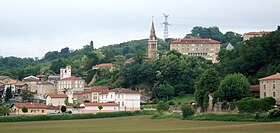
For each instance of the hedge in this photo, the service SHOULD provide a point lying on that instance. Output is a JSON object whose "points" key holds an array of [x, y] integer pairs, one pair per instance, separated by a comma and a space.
{"points": [[73, 116], [253, 105]]}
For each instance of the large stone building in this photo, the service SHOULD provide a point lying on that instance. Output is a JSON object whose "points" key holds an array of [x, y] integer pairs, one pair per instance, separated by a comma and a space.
{"points": [[67, 84], [249, 35], [31, 81], [205, 47], [152, 44], [270, 87]]}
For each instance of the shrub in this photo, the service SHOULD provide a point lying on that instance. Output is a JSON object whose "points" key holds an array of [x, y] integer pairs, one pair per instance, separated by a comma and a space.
{"points": [[187, 111], [275, 113], [171, 103], [162, 106], [225, 105], [253, 105], [24, 110]]}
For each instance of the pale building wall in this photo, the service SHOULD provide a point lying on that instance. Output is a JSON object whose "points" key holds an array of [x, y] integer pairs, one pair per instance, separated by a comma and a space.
{"points": [[45, 89], [18, 111], [55, 101], [208, 51], [270, 88]]}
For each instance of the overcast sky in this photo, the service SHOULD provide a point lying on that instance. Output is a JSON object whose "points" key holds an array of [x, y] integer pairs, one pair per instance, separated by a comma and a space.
{"points": [[30, 28]]}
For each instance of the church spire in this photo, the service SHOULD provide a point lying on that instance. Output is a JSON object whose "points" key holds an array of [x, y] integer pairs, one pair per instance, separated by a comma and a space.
{"points": [[152, 32]]}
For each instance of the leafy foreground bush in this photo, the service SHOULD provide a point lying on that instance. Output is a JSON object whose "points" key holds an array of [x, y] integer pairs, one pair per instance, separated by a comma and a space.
{"points": [[73, 116], [162, 106], [187, 111], [275, 113]]}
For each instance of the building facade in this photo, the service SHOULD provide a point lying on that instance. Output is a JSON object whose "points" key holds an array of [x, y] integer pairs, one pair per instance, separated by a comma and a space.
{"points": [[270, 87], [70, 83], [152, 45], [32, 109], [204, 47], [56, 99], [65, 72], [45, 88], [31, 81]]}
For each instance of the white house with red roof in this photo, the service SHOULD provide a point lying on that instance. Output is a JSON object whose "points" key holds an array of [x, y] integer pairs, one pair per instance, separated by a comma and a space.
{"points": [[56, 99], [32, 109], [270, 87]]}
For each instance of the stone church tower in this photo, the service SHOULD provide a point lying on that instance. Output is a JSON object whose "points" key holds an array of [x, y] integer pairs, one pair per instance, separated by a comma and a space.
{"points": [[152, 45]]}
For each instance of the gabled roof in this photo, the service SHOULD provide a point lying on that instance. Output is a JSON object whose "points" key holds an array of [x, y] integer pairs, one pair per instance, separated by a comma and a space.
{"points": [[31, 79], [72, 78], [271, 77], [31, 105], [229, 47], [58, 95], [101, 104], [195, 41]]}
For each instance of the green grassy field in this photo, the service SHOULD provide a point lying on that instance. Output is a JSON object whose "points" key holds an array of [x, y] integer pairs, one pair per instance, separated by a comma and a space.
{"points": [[138, 124]]}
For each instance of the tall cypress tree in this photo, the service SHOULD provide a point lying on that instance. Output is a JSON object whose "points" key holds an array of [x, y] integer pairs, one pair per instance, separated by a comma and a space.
{"points": [[8, 95]]}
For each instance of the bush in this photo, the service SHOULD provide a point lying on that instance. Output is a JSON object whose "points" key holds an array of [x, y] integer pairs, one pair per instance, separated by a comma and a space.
{"points": [[162, 106], [24, 110], [232, 105], [171, 103], [187, 111], [275, 113], [253, 105], [225, 105]]}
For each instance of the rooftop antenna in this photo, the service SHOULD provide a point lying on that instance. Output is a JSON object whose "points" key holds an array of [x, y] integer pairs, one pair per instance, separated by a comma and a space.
{"points": [[166, 24]]}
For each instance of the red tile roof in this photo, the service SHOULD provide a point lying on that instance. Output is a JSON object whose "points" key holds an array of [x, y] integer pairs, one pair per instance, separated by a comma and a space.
{"points": [[31, 105], [275, 76], [256, 33], [72, 78], [195, 41], [255, 88], [123, 90], [104, 65], [58, 95], [96, 89], [101, 104]]}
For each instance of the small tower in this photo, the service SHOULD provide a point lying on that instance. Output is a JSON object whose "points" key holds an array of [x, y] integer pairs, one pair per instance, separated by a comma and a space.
{"points": [[152, 44], [65, 72]]}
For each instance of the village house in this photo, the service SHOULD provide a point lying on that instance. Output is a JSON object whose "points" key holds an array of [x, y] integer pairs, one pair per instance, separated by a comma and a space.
{"points": [[56, 99], [249, 35], [45, 88], [16, 87], [33, 109], [108, 66], [31, 81], [70, 83], [204, 47], [128, 100], [270, 87], [92, 94]]}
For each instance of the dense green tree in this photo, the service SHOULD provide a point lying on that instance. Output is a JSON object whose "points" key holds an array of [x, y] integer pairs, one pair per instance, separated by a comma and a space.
{"points": [[92, 59], [100, 107], [233, 87], [8, 94], [207, 83], [162, 91], [4, 110], [27, 96], [57, 64], [162, 106]]}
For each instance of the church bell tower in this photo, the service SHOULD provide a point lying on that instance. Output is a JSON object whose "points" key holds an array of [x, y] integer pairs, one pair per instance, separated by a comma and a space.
{"points": [[152, 44]]}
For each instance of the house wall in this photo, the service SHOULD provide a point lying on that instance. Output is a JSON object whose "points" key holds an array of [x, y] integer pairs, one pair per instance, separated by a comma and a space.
{"points": [[55, 101], [44, 89], [270, 88], [105, 108], [32, 86], [69, 84], [18, 111]]}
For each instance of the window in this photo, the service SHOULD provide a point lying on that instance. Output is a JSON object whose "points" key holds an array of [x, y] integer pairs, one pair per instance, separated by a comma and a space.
{"points": [[264, 86], [111, 96], [43, 111], [273, 86], [264, 94], [273, 94], [122, 103]]}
